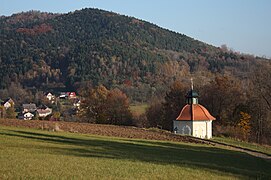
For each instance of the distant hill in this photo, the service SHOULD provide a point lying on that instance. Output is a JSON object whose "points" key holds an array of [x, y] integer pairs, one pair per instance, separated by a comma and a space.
{"points": [[46, 50]]}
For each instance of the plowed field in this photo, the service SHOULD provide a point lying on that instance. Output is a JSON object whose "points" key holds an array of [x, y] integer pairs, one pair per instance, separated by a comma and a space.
{"points": [[98, 129]]}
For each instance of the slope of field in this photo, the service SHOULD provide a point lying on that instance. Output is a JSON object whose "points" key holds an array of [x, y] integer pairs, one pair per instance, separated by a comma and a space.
{"points": [[35, 154], [98, 129], [248, 145]]}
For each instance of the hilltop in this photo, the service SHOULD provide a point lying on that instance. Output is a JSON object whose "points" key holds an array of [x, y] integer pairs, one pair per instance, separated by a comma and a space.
{"points": [[91, 46]]}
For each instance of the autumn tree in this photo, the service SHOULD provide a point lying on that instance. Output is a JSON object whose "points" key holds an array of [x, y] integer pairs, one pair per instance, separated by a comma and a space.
{"points": [[56, 116], [117, 108], [221, 97], [259, 103], [155, 113], [10, 112], [93, 106], [2, 111], [18, 94], [106, 107], [244, 124], [174, 101]]}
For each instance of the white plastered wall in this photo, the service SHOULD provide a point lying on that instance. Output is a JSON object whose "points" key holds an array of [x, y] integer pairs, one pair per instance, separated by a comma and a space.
{"points": [[200, 129], [183, 127]]}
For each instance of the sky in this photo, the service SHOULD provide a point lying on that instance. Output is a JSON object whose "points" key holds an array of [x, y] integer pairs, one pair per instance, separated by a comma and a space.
{"points": [[243, 25]]}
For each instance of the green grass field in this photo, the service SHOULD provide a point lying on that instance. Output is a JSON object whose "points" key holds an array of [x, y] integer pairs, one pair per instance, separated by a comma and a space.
{"points": [[138, 109], [36, 154], [253, 146]]}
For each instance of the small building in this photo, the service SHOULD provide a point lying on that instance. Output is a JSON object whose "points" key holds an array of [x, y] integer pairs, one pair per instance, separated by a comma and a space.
{"points": [[44, 111], [26, 116], [194, 119], [29, 108], [63, 95], [8, 103], [50, 97], [71, 95]]}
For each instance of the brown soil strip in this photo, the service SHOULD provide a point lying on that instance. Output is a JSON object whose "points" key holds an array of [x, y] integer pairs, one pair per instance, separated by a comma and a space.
{"points": [[98, 129]]}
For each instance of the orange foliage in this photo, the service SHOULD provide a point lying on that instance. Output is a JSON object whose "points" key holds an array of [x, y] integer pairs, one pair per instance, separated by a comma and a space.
{"points": [[40, 29]]}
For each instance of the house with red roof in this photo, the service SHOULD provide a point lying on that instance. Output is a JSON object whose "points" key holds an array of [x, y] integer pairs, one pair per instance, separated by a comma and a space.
{"points": [[194, 119]]}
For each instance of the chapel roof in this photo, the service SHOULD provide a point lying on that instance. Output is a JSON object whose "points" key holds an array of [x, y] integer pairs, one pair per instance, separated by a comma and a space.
{"points": [[194, 112]]}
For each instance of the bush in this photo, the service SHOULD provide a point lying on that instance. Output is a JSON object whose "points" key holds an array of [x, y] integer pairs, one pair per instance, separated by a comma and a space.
{"points": [[228, 131]]}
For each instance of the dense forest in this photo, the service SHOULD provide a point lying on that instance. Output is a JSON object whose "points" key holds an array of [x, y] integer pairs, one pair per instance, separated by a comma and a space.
{"points": [[90, 48]]}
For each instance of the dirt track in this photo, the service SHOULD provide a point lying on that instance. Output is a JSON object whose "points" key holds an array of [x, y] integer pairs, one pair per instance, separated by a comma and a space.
{"points": [[97, 129]]}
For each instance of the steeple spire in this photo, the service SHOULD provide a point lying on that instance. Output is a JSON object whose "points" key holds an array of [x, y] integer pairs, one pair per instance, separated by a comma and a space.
{"points": [[192, 85], [192, 96]]}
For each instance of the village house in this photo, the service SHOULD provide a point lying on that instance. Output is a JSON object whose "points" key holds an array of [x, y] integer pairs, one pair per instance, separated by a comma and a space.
{"points": [[7, 103], [65, 95], [71, 95], [194, 119], [50, 97], [44, 111], [29, 108], [26, 116]]}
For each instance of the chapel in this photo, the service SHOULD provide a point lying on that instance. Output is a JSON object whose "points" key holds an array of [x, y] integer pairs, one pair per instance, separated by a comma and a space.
{"points": [[194, 119]]}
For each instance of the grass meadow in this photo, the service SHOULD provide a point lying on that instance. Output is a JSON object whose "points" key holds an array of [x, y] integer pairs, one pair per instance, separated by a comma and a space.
{"points": [[253, 146], [138, 109], [37, 154]]}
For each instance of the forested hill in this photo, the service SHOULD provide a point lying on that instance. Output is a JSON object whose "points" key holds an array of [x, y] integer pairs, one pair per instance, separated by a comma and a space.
{"points": [[92, 46]]}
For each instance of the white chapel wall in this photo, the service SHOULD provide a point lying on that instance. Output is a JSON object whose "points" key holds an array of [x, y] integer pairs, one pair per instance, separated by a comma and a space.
{"points": [[202, 129], [183, 127]]}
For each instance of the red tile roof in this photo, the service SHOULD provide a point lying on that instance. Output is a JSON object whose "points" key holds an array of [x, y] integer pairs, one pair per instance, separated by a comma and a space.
{"points": [[194, 112]]}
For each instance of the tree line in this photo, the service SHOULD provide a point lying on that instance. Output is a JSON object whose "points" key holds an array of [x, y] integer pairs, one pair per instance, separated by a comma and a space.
{"points": [[242, 108]]}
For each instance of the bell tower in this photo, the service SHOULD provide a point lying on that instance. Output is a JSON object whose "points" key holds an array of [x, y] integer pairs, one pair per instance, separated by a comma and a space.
{"points": [[192, 96]]}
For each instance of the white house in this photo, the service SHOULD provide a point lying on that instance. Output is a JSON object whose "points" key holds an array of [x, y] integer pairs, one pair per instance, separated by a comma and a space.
{"points": [[26, 116], [44, 111], [63, 95], [194, 119], [50, 97], [8, 103]]}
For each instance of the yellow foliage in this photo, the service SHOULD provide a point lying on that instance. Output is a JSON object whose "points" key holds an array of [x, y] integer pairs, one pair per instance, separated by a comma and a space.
{"points": [[244, 124]]}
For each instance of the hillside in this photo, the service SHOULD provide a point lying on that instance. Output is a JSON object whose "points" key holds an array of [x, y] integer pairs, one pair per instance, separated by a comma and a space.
{"points": [[23, 153], [92, 46]]}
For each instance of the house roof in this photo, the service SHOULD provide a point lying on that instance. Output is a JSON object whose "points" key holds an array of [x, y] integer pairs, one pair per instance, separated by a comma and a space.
{"points": [[44, 111], [29, 106], [9, 100], [28, 114], [42, 107], [194, 112]]}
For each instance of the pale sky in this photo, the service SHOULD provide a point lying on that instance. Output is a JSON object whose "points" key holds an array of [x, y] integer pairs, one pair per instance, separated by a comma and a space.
{"points": [[243, 25]]}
